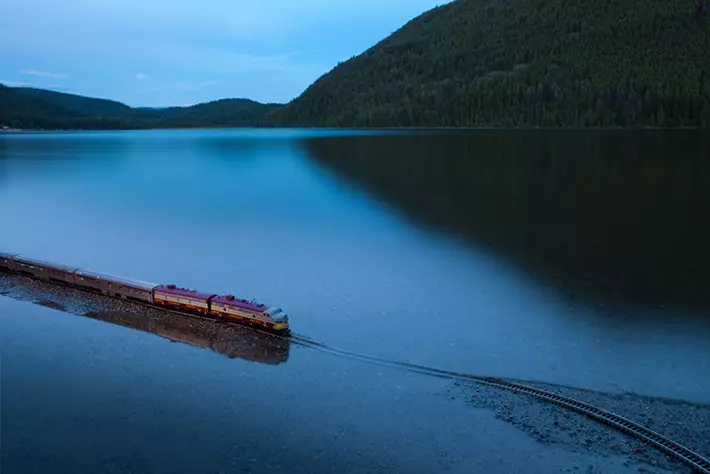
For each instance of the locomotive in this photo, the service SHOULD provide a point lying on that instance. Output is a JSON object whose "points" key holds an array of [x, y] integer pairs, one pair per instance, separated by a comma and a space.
{"points": [[224, 307]]}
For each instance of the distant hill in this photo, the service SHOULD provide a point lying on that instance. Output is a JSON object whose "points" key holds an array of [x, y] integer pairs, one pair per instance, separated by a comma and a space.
{"points": [[573, 63], [78, 105], [225, 112], [44, 109]]}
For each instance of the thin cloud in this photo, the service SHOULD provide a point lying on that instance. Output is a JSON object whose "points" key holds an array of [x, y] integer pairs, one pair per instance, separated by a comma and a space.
{"points": [[185, 86], [34, 72], [179, 86], [140, 76], [55, 87], [270, 63], [13, 83]]}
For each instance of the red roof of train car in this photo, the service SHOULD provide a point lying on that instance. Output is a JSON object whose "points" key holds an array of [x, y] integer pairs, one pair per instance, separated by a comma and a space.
{"points": [[230, 300], [185, 292]]}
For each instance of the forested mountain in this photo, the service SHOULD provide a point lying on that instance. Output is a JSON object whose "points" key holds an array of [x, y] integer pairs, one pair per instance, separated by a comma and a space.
{"points": [[554, 63], [510, 63], [78, 105], [225, 112], [44, 109]]}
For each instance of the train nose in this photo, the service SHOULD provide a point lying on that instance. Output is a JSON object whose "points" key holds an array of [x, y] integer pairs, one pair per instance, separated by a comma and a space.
{"points": [[282, 324]]}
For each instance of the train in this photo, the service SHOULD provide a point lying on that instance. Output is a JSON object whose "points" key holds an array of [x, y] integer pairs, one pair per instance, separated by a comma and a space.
{"points": [[221, 307]]}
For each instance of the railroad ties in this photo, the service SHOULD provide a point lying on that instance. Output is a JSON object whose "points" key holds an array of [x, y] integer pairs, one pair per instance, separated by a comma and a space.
{"points": [[670, 447], [632, 428]]}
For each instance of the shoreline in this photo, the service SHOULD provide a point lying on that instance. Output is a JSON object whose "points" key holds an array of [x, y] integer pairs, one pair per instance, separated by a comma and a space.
{"points": [[395, 129]]}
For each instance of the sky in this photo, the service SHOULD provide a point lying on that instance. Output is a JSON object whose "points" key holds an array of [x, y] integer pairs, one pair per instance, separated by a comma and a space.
{"points": [[157, 53]]}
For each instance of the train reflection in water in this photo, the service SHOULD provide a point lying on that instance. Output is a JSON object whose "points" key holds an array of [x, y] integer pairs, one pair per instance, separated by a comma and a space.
{"points": [[231, 341]]}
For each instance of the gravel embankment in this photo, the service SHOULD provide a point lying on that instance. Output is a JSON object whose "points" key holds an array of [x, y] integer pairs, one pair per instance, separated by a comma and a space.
{"points": [[686, 423]]}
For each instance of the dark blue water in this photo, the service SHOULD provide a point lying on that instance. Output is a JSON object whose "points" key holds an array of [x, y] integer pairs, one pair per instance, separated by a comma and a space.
{"points": [[578, 259]]}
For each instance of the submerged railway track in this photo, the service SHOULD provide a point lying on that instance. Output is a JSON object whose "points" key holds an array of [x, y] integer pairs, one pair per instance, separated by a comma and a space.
{"points": [[675, 450], [663, 443], [666, 445]]}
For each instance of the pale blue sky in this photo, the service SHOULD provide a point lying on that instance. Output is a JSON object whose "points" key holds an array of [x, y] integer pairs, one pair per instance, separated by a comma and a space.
{"points": [[181, 52]]}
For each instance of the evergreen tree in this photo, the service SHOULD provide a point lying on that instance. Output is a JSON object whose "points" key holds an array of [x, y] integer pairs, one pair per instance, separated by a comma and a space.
{"points": [[525, 63]]}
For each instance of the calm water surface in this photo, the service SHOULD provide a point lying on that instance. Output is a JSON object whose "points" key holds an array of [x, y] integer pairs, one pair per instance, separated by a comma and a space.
{"points": [[577, 258]]}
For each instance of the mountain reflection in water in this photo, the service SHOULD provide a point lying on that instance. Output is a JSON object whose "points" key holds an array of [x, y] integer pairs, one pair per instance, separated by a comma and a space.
{"points": [[614, 217]]}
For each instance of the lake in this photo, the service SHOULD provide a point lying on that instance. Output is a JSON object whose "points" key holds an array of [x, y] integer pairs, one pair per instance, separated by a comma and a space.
{"points": [[572, 258]]}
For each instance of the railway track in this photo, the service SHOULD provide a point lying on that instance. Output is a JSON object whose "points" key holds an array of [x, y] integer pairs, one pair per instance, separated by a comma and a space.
{"points": [[685, 455], [677, 451], [667, 445]]}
